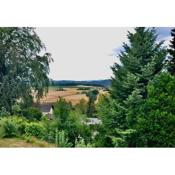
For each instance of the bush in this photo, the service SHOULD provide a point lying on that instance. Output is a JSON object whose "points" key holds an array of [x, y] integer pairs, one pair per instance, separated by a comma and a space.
{"points": [[62, 140], [8, 128], [20, 123], [50, 128], [84, 88], [16, 109], [35, 129], [60, 89], [32, 113], [81, 107], [4, 112], [80, 143], [62, 110]]}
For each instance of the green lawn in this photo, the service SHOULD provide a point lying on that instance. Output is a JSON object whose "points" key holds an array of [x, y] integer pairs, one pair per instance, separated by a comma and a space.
{"points": [[17, 142]]}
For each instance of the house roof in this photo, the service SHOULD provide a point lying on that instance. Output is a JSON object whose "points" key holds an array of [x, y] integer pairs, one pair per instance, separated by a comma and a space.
{"points": [[45, 107]]}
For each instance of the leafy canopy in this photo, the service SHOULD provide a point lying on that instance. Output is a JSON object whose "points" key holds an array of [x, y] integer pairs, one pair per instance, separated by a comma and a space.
{"points": [[24, 66]]}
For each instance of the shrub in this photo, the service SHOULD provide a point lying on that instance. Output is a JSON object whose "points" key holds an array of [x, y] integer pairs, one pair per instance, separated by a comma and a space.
{"points": [[16, 109], [60, 89], [81, 106], [84, 88], [62, 140], [50, 127], [62, 110], [4, 112], [20, 123], [32, 113], [8, 128], [80, 143], [35, 129]]}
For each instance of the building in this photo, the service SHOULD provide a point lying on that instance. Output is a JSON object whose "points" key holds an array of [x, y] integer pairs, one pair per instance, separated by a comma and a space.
{"points": [[46, 109], [92, 121]]}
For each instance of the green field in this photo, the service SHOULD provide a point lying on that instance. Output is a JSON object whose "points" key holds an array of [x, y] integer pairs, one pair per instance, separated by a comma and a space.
{"points": [[17, 142]]}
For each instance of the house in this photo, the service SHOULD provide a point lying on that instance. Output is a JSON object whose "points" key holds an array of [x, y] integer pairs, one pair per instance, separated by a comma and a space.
{"points": [[92, 121], [46, 109]]}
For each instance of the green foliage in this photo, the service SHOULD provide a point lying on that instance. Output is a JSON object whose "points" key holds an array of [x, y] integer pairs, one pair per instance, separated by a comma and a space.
{"points": [[156, 119], [171, 61], [81, 107], [16, 109], [8, 128], [50, 127], [141, 59], [112, 115], [83, 88], [70, 121], [35, 129], [24, 66], [74, 127], [4, 112], [32, 113], [20, 123], [122, 137], [133, 103], [62, 110], [80, 143], [92, 95], [62, 140]]}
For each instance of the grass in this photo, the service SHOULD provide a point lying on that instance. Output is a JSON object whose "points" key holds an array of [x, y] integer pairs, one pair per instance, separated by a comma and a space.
{"points": [[17, 142]]}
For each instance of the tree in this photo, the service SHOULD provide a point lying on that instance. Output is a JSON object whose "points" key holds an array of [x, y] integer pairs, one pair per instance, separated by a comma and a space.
{"points": [[24, 66], [70, 121], [156, 117], [171, 61], [81, 106], [92, 95], [62, 111], [140, 61]]}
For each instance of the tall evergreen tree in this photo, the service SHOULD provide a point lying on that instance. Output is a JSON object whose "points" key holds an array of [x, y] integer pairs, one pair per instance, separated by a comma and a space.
{"points": [[141, 59], [171, 61]]}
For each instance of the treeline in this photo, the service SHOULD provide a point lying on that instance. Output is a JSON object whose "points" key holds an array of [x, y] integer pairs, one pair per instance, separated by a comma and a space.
{"points": [[99, 83]]}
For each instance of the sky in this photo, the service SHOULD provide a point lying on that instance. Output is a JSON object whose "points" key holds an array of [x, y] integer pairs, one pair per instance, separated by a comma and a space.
{"points": [[86, 53]]}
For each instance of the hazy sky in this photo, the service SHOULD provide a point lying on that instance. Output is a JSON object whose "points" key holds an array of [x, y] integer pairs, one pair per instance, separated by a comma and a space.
{"points": [[85, 53]]}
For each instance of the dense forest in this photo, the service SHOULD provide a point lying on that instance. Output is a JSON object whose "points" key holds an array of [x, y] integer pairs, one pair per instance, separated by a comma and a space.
{"points": [[102, 83], [138, 109]]}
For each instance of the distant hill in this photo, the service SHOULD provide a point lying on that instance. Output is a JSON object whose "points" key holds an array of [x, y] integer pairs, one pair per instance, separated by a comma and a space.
{"points": [[101, 83]]}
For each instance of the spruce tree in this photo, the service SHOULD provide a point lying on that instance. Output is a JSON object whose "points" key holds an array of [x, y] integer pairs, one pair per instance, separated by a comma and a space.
{"points": [[171, 61], [141, 59]]}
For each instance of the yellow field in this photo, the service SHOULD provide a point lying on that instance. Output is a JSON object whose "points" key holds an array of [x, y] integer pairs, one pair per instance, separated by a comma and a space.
{"points": [[72, 95]]}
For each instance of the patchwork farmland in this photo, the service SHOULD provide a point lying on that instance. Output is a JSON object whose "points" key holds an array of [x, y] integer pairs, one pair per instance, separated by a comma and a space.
{"points": [[70, 94]]}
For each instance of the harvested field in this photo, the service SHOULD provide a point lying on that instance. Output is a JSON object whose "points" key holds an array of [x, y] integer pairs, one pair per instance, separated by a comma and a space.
{"points": [[72, 95]]}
